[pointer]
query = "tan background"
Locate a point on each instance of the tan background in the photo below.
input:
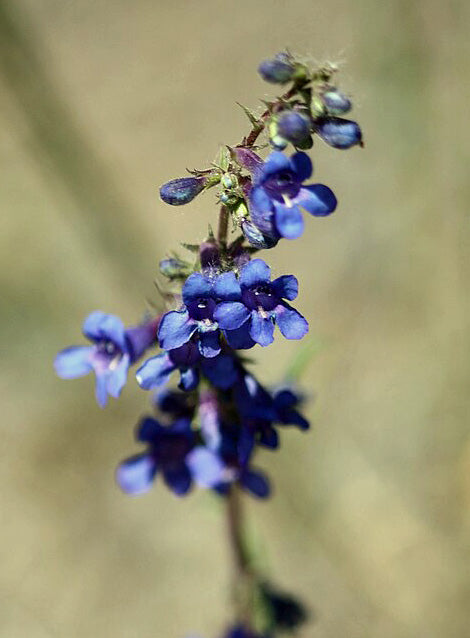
(100, 102)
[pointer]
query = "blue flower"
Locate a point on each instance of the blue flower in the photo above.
(258, 305)
(278, 194)
(221, 370)
(167, 451)
(200, 296)
(114, 349)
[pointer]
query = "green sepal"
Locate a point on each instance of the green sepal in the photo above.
(193, 248)
(251, 116)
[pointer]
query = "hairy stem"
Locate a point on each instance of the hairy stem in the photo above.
(223, 227)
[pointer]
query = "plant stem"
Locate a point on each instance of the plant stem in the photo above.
(222, 230)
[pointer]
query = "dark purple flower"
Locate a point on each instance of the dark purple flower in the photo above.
(259, 411)
(278, 194)
(257, 305)
(182, 190)
(338, 132)
(167, 451)
(155, 372)
(114, 349)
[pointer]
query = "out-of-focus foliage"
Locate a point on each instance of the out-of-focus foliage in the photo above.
(101, 102)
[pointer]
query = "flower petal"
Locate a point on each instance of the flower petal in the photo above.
(176, 328)
(255, 272)
(148, 430)
(261, 329)
(195, 287)
(240, 339)
(286, 287)
(136, 474)
(317, 199)
(99, 325)
(205, 466)
(155, 372)
(74, 362)
(227, 288)
(178, 480)
(188, 379)
(261, 211)
(275, 162)
(116, 378)
(231, 315)
(256, 483)
(291, 323)
(289, 220)
(209, 343)
(302, 165)
(221, 371)
(101, 391)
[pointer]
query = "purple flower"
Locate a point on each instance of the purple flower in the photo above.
(200, 295)
(278, 194)
(114, 349)
(167, 451)
(221, 370)
(258, 305)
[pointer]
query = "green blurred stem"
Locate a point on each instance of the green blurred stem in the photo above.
(223, 227)
(244, 580)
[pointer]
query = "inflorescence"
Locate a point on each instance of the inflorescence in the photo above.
(207, 432)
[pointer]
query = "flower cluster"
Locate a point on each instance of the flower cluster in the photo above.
(225, 301)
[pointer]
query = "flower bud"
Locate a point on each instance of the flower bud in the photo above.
(229, 180)
(209, 254)
(336, 102)
(279, 70)
(338, 132)
(255, 237)
(294, 127)
(182, 190)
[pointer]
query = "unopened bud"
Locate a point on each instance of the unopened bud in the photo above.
(229, 180)
(255, 237)
(182, 190)
(279, 70)
(209, 254)
(294, 127)
(336, 102)
(338, 132)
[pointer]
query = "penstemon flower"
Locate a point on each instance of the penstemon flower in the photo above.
(222, 301)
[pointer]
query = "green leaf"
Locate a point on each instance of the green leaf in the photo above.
(250, 115)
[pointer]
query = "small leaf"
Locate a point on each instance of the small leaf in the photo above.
(250, 115)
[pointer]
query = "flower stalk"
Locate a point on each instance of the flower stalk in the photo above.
(207, 432)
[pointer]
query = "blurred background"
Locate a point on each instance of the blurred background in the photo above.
(102, 101)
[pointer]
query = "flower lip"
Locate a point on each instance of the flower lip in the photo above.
(201, 308)
(283, 183)
(258, 296)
